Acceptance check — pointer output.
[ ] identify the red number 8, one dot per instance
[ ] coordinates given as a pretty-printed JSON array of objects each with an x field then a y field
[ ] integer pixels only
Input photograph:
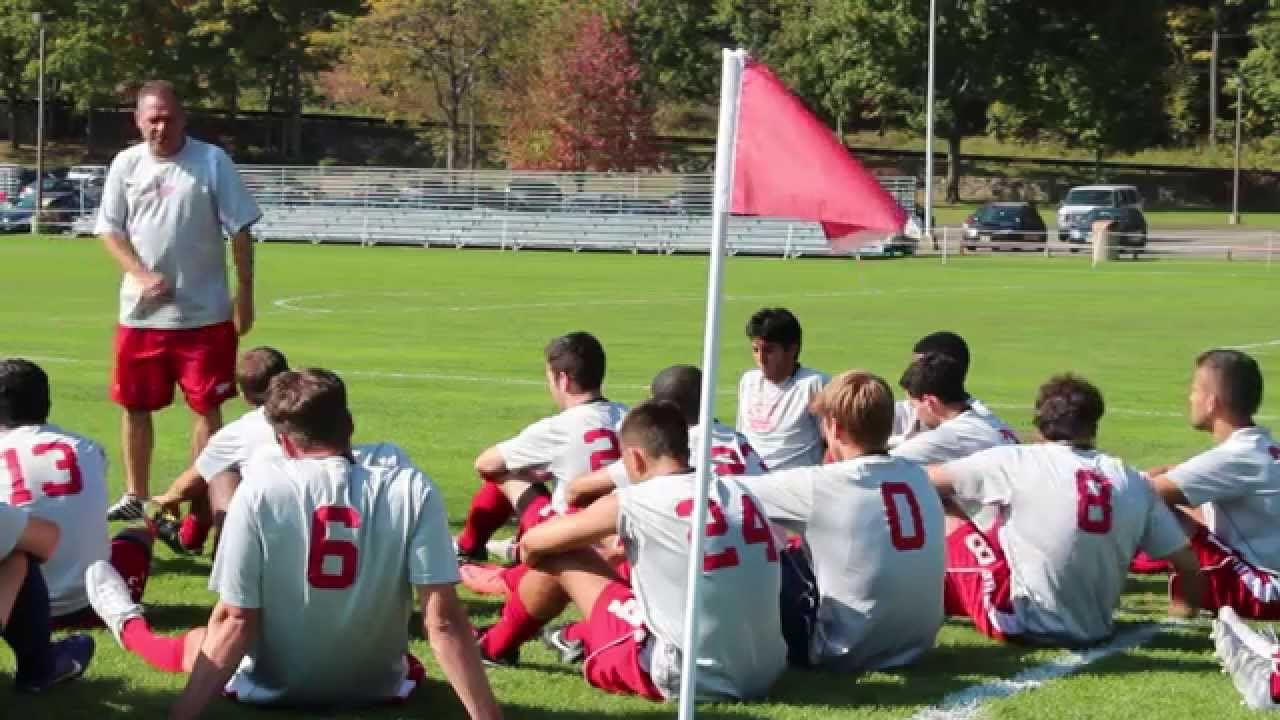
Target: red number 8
[
  {"x": 1093, "y": 503},
  {"x": 322, "y": 547}
]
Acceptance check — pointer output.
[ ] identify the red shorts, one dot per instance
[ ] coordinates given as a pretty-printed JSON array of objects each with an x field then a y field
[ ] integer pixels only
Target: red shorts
[
  {"x": 202, "y": 361},
  {"x": 613, "y": 637},
  {"x": 130, "y": 558},
  {"x": 978, "y": 582},
  {"x": 1231, "y": 581}
]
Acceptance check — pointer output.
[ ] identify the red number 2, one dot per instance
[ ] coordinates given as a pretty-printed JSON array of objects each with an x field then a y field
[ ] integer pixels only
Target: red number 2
[
  {"x": 755, "y": 530},
  {"x": 1093, "y": 502},
  {"x": 901, "y": 540},
  {"x": 600, "y": 458},
  {"x": 323, "y": 547},
  {"x": 66, "y": 461}
]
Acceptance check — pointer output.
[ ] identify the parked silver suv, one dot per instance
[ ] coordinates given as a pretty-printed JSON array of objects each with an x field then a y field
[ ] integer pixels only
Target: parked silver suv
[{"x": 1080, "y": 200}]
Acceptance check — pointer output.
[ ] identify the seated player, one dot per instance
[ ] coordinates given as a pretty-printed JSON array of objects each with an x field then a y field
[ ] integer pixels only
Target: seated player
[
  {"x": 316, "y": 573},
  {"x": 631, "y": 635},
  {"x": 1249, "y": 658},
  {"x": 25, "y": 542},
  {"x": 1229, "y": 496},
  {"x": 944, "y": 342},
  {"x": 581, "y": 438},
  {"x": 874, "y": 529},
  {"x": 1053, "y": 569},
  {"x": 773, "y": 399},
  {"x": 950, "y": 428},
  {"x": 62, "y": 477},
  {"x": 212, "y": 479},
  {"x": 680, "y": 385}
]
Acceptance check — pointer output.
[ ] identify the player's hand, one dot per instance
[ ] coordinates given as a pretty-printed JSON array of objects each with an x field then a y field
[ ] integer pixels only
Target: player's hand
[
  {"x": 242, "y": 314},
  {"x": 529, "y": 556},
  {"x": 153, "y": 285}
]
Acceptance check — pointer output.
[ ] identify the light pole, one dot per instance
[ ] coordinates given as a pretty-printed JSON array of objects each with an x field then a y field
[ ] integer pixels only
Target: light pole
[
  {"x": 1235, "y": 176},
  {"x": 928, "y": 127},
  {"x": 38, "y": 19}
]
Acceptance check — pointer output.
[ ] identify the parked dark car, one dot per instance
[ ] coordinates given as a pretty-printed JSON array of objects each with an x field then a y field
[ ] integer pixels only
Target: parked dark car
[
  {"x": 60, "y": 209},
  {"x": 1129, "y": 228},
  {"x": 532, "y": 195},
  {"x": 1007, "y": 222},
  {"x": 51, "y": 184}
]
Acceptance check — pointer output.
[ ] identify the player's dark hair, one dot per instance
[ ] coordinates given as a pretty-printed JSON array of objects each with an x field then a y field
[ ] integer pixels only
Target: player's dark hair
[
  {"x": 945, "y": 342},
  {"x": 1068, "y": 409},
  {"x": 24, "y": 393},
  {"x": 255, "y": 370},
  {"x": 861, "y": 403},
  {"x": 310, "y": 406},
  {"x": 776, "y": 325},
  {"x": 1239, "y": 380},
  {"x": 157, "y": 88},
  {"x": 680, "y": 385},
  {"x": 580, "y": 356},
  {"x": 935, "y": 374},
  {"x": 658, "y": 428}
]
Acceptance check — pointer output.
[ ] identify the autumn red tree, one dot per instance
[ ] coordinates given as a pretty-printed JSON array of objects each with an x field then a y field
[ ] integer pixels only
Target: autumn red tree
[{"x": 584, "y": 108}]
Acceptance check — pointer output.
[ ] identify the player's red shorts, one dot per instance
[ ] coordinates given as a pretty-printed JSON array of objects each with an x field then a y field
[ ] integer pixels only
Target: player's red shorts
[
  {"x": 132, "y": 559},
  {"x": 202, "y": 361},
  {"x": 978, "y": 582},
  {"x": 613, "y": 637},
  {"x": 1231, "y": 581}
]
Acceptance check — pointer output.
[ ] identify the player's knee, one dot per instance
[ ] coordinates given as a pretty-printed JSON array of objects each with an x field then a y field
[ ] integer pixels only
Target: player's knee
[{"x": 138, "y": 535}]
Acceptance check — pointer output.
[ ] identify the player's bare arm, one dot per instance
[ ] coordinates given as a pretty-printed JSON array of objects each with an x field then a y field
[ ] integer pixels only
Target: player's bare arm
[
  {"x": 1187, "y": 567},
  {"x": 39, "y": 539},
  {"x": 942, "y": 481},
  {"x": 490, "y": 464},
  {"x": 1168, "y": 491},
  {"x": 452, "y": 641},
  {"x": 579, "y": 530},
  {"x": 230, "y": 634},
  {"x": 154, "y": 285},
  {"x": 242, "y": 258},
  {"x": 585, "y": 489}
]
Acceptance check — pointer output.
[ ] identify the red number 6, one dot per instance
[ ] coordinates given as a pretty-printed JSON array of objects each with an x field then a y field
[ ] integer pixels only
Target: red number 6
[{"x": 322, "y": 547}]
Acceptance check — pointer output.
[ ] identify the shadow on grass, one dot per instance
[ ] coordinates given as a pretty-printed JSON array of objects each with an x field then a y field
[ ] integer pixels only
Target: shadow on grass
[
  {"x": 1180, "y": 651},
  {"x": 88, "y": 698}
]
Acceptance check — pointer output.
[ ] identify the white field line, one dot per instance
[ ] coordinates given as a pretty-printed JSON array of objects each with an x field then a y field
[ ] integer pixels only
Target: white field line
[
  {"x": 1257, "y": 345},
  {"x": 967, "y": 703}
]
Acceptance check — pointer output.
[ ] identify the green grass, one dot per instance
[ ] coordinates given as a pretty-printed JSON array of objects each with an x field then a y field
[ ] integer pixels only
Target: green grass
[{"x": 398, "y": 322}]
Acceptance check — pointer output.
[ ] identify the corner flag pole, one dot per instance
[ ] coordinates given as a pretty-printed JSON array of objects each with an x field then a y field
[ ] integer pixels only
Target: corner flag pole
[{"x": 726, "y": 139}]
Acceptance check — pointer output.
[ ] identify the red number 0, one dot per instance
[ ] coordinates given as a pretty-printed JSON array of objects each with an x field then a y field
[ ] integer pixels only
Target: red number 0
[
  {"x": 600, "y": 458},
  {"x": 21, "y": 494},
  {"x": 322, "y": 547},
  {"x": 755, "y": 530},
  {"x": 1093, "y": 502},
  {"x": 891, "y": 491}
]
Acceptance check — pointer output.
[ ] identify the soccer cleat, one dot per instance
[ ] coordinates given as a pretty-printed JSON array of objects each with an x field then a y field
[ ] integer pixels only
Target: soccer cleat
[
  {"x": 504, "y": 551},
  {"x": 71, "y": 657},
  {"x": 128, "y": 507},
  {"x": 571, "y": 651},
  {"x": 510, "y": 660},
  {"x": 1247, "y": 656},
  {"x": 110, "y": 598},
  {"x": 166, "y": 527},
  {"x": 483, "y": 578}
]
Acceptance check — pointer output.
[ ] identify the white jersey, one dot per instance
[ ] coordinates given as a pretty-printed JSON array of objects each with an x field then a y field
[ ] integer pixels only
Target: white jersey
[
  {"x": 731, "y": 454},
  {"x": 174, "y": 211},
  {"x": 1073, "y": 520},
  {"x": 330, "y": 552},
  {"x": 906, "y": 424},
  {"x": 1238, "y": 484},
  {"x": 62, "y": 477},
  {"x": 579, "y": 440},
  {"x": 876, "y": 531},
  {"x": 776, "y": 418},
  {"x": 961, "y": 436},
  {"x": 740, "y": 585},
  {"x": 234, "y": 443},
  {"x": 13, "y": 522}
]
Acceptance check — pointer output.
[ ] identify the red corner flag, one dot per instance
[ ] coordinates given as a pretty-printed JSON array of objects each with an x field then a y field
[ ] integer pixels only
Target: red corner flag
[{"x": 788, "y": 164}]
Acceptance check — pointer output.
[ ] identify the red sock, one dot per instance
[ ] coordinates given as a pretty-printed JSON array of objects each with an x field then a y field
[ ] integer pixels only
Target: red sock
[
  {"x": 489, "y": 510},
  {"x": 161, "y": 653},
  {"x": 517, "y": 626},
  {"x": 193, "y": 532},
  {"x": 532, "y": 514},
  {"x": 574, "y": 632}
]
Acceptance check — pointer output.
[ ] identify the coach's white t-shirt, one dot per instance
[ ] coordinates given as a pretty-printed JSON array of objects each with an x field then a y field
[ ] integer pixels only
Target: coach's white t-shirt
[
  {"x": 1073, "y": 520},
  {"x": 961, "y": 436},
  {"x": 741, "y": 652},
  {"x": 776, "y": 418},
  {"x": 330, "y": 551},
  {"x": 234, "y": 443},
  {"x": 876, "y": 531},
  {"x": 174, "y": 211},
  {"x": 1238, "y": 483},
  {"x": 62, "y": 477},
  {"x": 581, "y": 439},
  {"x": 13, "y": 522}
]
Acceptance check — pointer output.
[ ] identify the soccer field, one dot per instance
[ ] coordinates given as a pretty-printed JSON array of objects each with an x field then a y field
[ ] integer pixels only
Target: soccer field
[{"x": 441, "y": 351}]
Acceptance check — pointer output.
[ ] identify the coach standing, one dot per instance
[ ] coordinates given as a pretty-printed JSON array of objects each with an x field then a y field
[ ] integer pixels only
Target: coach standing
[{"x": 165, "y": 207}]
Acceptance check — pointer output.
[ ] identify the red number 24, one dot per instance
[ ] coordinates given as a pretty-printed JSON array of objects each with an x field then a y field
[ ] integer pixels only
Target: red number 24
[{"x": 755, "y": 530}]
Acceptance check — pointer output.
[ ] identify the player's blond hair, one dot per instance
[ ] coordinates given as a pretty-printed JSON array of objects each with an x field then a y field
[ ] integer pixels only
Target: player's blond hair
[{"x": 861, "y": 404}]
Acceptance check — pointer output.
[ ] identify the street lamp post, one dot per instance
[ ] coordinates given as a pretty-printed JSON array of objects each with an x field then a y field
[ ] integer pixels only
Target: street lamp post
[
  {"x": 38, "y": 18},
  {"x": 928, "y": 126},
  {"x": 1235, "y": 176}
]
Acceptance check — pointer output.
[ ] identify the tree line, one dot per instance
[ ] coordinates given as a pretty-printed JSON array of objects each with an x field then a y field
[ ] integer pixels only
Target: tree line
[{"x": 582, "y": 84}]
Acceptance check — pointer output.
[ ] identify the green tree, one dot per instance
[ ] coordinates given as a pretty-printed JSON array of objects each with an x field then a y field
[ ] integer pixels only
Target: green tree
[
  {"x": 1261, "y": 69},
  {"x": 17, "y": 53}
]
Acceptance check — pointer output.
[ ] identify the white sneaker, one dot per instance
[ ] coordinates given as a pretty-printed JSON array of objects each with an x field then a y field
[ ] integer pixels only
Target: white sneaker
[
  {"x": 109, "y": 596},
  {"x": 1247, "y": 657},
  {"x": 504, "y": 551}
]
